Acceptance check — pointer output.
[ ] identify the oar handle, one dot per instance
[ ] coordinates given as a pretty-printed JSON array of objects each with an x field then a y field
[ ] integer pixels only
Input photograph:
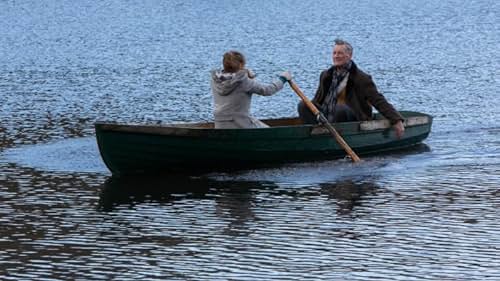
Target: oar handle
[{"x": 320, "y": 117}]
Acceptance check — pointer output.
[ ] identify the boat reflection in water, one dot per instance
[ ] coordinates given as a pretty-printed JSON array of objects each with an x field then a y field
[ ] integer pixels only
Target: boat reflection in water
[
  {"x": 131, "y": 190},
  {"x": 347, "y": 194},
  {"x": 228, "y": 201},
  {"x": 236, "y": 197}
]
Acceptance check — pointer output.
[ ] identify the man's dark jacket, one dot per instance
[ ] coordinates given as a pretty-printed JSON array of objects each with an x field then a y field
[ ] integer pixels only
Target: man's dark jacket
[{"x": 361, "y": 95}]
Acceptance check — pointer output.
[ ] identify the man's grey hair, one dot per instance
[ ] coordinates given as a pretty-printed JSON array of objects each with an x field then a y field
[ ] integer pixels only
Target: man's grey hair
[{"x": 347, "y": 45}]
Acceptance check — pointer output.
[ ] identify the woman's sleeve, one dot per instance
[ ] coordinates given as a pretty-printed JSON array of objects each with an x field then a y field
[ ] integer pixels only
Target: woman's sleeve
[{"x": 265, "y": 89}]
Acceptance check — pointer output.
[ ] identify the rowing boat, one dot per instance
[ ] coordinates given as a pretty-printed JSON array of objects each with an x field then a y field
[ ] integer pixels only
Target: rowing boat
[{"x": 195, "y": 147}]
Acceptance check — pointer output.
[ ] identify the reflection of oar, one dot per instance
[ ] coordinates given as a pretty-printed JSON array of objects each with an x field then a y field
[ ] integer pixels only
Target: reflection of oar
[{"x": 321, "y": 118}]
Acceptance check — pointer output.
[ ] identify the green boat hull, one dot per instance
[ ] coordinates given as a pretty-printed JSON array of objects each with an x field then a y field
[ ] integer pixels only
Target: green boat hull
[{"x": 189, "y": 148}]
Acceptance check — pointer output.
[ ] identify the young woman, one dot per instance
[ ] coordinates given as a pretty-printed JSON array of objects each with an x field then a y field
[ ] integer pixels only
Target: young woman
[{"x": 232, "y": 89}]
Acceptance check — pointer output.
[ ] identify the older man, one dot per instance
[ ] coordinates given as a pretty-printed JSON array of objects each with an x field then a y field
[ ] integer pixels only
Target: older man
[{"x": 346, "y": 93}]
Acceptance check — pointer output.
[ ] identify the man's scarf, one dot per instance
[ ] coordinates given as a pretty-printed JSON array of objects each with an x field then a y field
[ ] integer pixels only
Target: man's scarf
[{"x": 339, "y": 83}]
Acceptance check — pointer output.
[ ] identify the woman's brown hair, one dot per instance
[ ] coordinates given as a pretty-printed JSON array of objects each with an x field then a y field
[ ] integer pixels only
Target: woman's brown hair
[{"x": 233, "y": 61}]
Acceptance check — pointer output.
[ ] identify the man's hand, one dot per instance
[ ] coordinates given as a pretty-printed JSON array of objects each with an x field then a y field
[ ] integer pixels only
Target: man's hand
[{"x": 399, "y": 128}]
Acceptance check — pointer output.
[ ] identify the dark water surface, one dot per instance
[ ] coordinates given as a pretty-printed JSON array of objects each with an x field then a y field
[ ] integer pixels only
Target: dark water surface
[{"x": 428, "y": 213}]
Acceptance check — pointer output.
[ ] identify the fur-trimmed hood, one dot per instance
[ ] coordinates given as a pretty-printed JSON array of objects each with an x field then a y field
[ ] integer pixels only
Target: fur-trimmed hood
[{"x": 224, "y": 83}]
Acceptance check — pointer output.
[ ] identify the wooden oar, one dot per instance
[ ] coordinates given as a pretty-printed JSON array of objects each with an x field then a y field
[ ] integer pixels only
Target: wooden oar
[{"x": 322, "y": 119}]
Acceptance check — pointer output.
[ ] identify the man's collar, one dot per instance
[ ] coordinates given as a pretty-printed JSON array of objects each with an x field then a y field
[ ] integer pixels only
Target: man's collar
[{"x": 347, "y": 66}]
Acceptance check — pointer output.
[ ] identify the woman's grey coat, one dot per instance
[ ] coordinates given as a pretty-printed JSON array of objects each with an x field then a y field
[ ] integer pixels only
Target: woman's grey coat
[{"x": 232, "y": 94}]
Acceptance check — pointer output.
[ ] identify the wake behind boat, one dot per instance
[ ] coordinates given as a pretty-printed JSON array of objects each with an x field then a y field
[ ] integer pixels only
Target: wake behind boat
[{"x": 194, "y": 147}]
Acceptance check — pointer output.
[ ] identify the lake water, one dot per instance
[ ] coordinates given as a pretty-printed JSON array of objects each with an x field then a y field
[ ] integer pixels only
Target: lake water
[{"x": 429, "y": 213}]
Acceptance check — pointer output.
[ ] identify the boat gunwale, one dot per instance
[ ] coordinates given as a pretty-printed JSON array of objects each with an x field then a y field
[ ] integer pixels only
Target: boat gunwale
[{"x": 206, "y": 128}]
